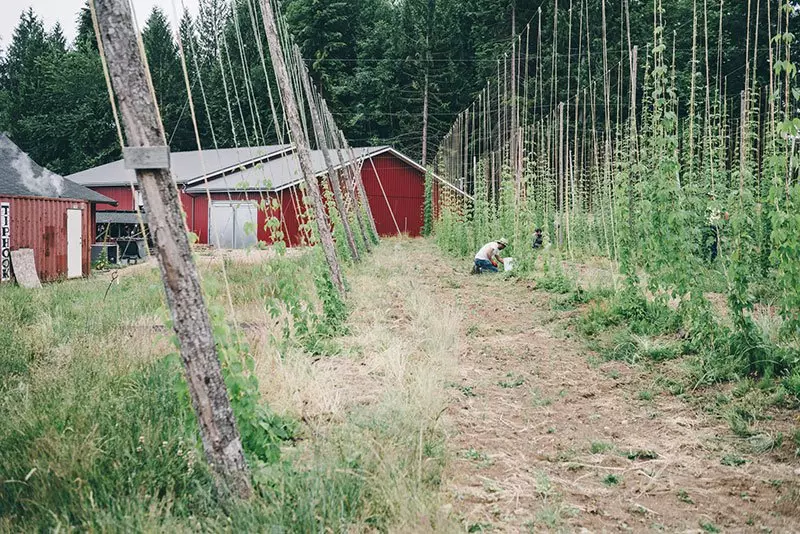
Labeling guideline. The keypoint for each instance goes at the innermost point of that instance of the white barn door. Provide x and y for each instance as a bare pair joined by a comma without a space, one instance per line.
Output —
74,243
233,224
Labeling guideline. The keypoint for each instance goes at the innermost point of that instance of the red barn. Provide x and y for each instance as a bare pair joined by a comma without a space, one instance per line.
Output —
42,211
232,197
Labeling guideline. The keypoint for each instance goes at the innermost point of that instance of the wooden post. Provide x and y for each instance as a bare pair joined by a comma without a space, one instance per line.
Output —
425,120
143,128
316,123
346,168
301,143
360,186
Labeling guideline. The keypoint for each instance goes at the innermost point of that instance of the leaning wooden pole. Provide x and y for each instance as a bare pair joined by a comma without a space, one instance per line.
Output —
316,122
347,172
359,182
145,135
292,113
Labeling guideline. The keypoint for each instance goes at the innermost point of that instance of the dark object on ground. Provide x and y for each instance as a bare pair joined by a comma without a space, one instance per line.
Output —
537,238
711,236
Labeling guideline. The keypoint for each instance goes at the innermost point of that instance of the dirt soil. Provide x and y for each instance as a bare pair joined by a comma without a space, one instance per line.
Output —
543,439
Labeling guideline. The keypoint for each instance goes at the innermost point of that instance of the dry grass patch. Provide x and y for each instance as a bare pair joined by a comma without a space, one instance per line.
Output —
381,398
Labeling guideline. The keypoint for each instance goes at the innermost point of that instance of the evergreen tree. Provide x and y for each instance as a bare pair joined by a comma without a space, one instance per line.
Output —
168,81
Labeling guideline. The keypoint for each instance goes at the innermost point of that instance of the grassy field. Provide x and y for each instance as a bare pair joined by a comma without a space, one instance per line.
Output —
94,433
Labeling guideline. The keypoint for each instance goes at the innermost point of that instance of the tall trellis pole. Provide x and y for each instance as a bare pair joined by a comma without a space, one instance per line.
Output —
145,137
301,143
322,142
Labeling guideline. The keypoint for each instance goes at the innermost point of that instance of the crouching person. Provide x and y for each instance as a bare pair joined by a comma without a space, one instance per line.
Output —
488,257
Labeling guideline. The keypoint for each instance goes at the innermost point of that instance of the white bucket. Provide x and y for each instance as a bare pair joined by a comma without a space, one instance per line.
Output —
508,264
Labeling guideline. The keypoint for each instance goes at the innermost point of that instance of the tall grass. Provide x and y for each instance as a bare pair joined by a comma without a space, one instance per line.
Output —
95,433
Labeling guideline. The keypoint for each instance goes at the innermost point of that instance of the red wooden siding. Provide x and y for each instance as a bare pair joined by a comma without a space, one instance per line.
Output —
41,224
122,195
405,188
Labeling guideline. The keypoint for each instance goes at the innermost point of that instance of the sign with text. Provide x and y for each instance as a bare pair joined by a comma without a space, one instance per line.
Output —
5,241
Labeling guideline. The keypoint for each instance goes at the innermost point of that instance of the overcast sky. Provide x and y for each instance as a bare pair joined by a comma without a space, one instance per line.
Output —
66,12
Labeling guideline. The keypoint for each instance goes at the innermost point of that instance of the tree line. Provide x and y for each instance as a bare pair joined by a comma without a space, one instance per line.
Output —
386,68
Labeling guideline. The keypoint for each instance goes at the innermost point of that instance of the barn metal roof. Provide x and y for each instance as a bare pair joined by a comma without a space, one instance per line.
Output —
278,173
185,166
21,176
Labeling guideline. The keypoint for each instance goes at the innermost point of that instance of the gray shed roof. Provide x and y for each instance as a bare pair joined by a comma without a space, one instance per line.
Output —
120,217
185,166
275,174
21,176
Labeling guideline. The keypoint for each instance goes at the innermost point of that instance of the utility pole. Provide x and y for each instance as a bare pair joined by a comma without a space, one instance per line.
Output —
147,152
431,13
316,123
301,143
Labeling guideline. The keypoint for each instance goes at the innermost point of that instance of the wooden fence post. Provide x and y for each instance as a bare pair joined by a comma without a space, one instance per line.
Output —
143,128
316,123
298,137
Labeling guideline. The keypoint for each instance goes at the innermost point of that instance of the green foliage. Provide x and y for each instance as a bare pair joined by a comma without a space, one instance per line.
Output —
555,280
599,447
514,381
262,431
129,439
427,208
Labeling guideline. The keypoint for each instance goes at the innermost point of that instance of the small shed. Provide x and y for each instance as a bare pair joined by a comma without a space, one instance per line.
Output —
45,212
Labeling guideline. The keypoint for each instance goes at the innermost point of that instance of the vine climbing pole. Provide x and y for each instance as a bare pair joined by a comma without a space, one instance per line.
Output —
301,143
346,170
322,144
145,137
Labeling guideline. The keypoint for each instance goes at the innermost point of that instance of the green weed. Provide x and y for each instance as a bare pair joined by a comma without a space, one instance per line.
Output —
739,422
599,447
732,460
646,395
612,480
514,382
467,391
708,526
642,454
555,282
552,516
475,455
683,496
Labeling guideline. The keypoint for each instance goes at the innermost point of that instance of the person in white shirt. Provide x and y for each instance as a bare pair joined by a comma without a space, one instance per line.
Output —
488,257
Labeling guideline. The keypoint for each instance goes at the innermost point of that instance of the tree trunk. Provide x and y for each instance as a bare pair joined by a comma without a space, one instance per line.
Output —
143,128
301,143
316,123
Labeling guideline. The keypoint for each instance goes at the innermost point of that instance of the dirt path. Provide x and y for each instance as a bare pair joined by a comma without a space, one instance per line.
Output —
546,441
